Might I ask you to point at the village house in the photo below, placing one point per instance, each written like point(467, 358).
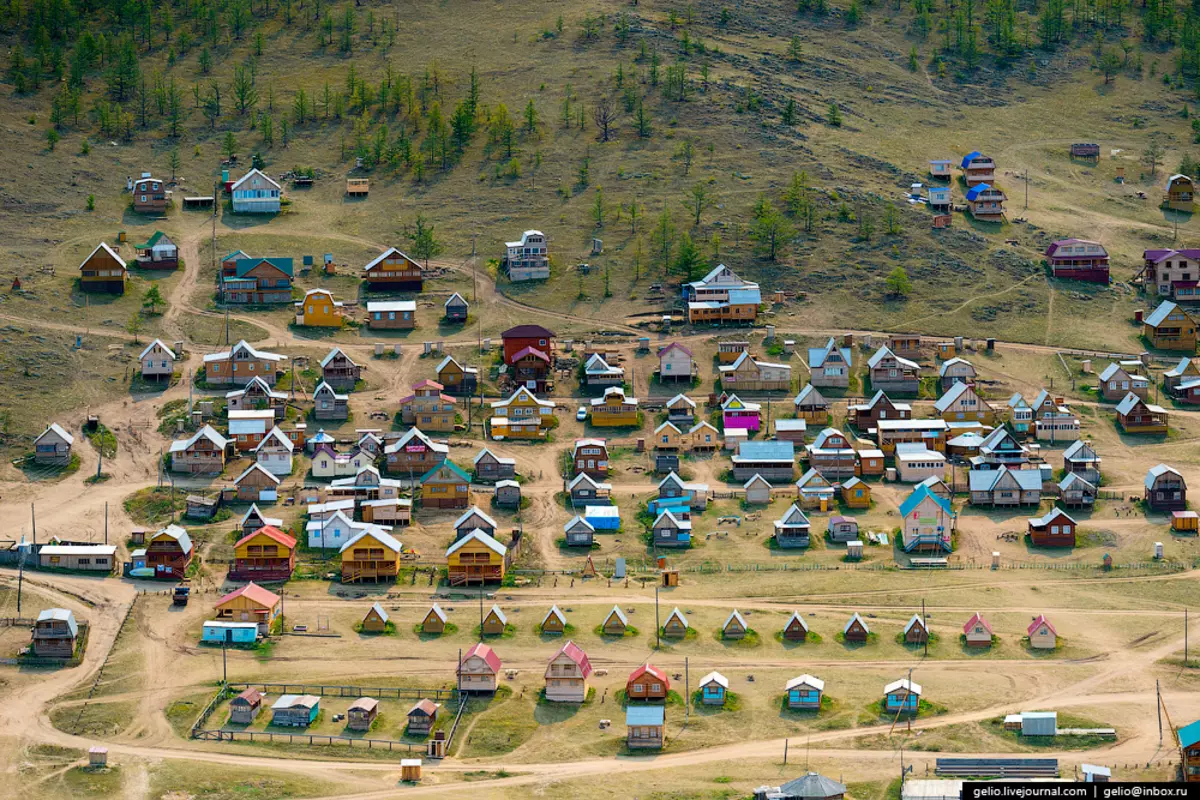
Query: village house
point(647, 682)
point(1170, 327)
point(671, 530)
point(455, 309)
point(598, 372)
point(939, 168)
point(456, 378)
point(1081, 459)
point(832, 455)
point(257, 281)
point(730, 350)
point(507, 494)
point(326, 463)
point(590, 456)
point(722, 296)
point(830, 366)
point(522, 337)
point(956, 370)
point(479, 669)
point(328, 404)
point(855, 629)
point(977, 632)
point(1135, 415)
point(1172, 274)
point(692, 495)
point(1005, 487)
point(392, 270)
point(202, 452)
point(103, 271)
point(1074, 491)
point(250, 603)
point(434, 621)
point(255, 193)
point(793, 528)
point(880, 406)
point(366, 484)
point(742, 414)
point(53, 446)
point(842, 529)
point(757, 490)
point(295, 710)
point(916, 463)
point(735, 626)
point(421, 717)
point(318, 309)
point(471, 520)
point(902, 696)
point(667, 437)
point(681, 411)
point(904, 344)
point(1115, 382)
point(644, 727)
point(929, 521)
point(494, 622)
point(815, 491)
point(810, 406)
point(774, 461)
point(1078, 260)
point(334, 529)
point(55, 632)
point(567, 675)
point(614, 409)
point(791, 430)
point(1000, 448)
point(930, 432)
point(892, 373)
point(266, 554)
point(429, 408)
point(962, 403)
point(915, 632)
point(675, 363)
point(392, 315)
point(274, 453)
point(986, 203)
point(445, 486)
point(169, 552)
point(257, 396)
point(248, 428)
point(751, 375)
point(1042, 635)
point(1180, 191)
point(676, 624)
point(616, 623)
point(713, 688)
point(414, 454)
point(245, 708)
point(1165, 489)
point(578, 532)
point(255, 484)
point(149, 195)
point(527, 259)
point(1020, 414)
point(978, 168)
point(394, 511)
point(490, 467)
point(339, 370)
point(78, 557)
point(476, 558)
point(871, 462)
point(370, 555)
point(796, 629)
point(1187, 392)
point(804, 692)
point(585, 490)
point(361, 714)
point(157, 361)
point(1055, 528)
point(521, 416)
point(701, 437)
point(239, 365)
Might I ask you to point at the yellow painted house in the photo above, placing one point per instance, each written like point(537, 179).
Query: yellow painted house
point(614, 409)
point(476, 558)
point(856, 494)
point(961, 403)
point(318, 309)
point(521, 416)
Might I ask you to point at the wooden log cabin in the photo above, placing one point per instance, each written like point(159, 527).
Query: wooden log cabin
point(1055, 528)
point(54, 634)
point(1170, 327)
point(476, 558)
point(445, 486)
point(250, 603)
point(149, 195)
point(339, 370)
point(53, 446)
point(456, 378)
point(103, 271)
point(1135, 415)
point(169, 552)
point(372, 555)
point(1165, 489)
point(267, 554)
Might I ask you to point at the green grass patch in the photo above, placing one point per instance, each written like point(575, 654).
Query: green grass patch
point(104, 440)
point(733, 702)
point(630, 632)
point(567, 631)
point(751, 639)
point(509, 632)
point(688, 635)
point(97, 720)
point(389, 629)
point(151, 506)
point(449, 630)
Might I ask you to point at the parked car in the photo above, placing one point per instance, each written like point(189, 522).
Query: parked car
point(581, 414)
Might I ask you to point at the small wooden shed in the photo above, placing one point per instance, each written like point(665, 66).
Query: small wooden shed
point(735, 626)
point(494, 622)
point(421, 717)
point(376, 620)
point(1185, 521)
point(362, 713)
point(616, 623)
point(244, 708)
point(856, 629)
point(915, 631)
point(358, 187)
point(977, 632)
point(410, 770)
point(647, 682)
point(676, 624)
point(796, 629)
point(435, 620)
point(554, 621)
point(713, 687)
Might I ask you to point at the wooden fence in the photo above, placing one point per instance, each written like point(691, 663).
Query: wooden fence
point(17, 622)
point(314, 739)
point(326, 690)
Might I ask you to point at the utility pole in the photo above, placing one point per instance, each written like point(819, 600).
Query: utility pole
point(687, 690)
point(106, 522)
point(481, 612)
point(1185, 637)
point(925, 625)
point(282, 623)
point(1158, 708)
point(785, 749)
point(100, 463)
point(458, 672)
point(33, 523)
point(1027, 187)
point(160, 467)
point(225, 659)
point(657, 629)
point(20, 578)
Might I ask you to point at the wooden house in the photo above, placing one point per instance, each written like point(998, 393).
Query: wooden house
point(531, 368)
point(256, 484)
point(434, 621)
point(555, 622)
point(804, 692)
point(257, 395)
point(590, 456)
point(250, 603)
point(528, 258)
point(930, 432)
point(1074, 491)
point(1179, 193)
point(473, 519)
point(892, 373)
point(1002, 448)
point(267, 554)
point(508, 494)
point(713, 687)
point(520, 416)
point(1187, 392)
point(103, 271)
point(255, 193)
point(392, 315)
point(479, 669)
point(676, 624)
point(955, 370)
point(1042, 635)
point(53, 446)
point(1187, 522)
point(721, 296)
point(986, 203)
point(961, 403)
point(1078, 260)
point(675, 363)
point(361, 714)
point(1081, 459)
point(842, 529)
point(370, 555)
point(830, 367)
point(758, 490)
point(522, 337)
point(647, 682)
point(375, 620)
point(245, 707)
point(702, 437)
point(773, 461)
point(567, 675)
point(1186, 371)
point(730, 350)
point(902, 696)
point(880, 406)
point(429, 407)
point(414, 454)
point(149, 195)
point(915, 632)
point(584, 490)
point(169, 552)
point(295, 710)
point(939, 168)
point(916, 463)
point(1170, 274)
point(673, 488)
point(1055, 528)
point(253, 520)
point(1189, 746)
point(614, 409)
point(644, 727)
point(735, 626)
point(681, 411)
point(274, 452)
point(318, 309)
point(239, 365)
point(815, 491)
point(393, 270)
point(740, 414)
point(494, 622)
point(1020, 415)
point(598, 372)
point(490, 467)
point(445, 486)
point(977, 632)
point(1135, 415)
point(578, 532)
point(358, 188)
point(832, 455)
point(748, 374)
point(157, 361)
point(78, 557)
point(793, 529)
point(1170, 327)
point(668, 437)
point(55, 633)
point(791, 430)
point(328, 464)
point(1165, 489)
point(1005, 487)
point(904, 344)
point(455, 309)
point(978, 168)
point(457, 379)
point(421, 717)
point(796, 629)
point(247, 429)
point(616, 623)
point(476, 558)
point(871, 462)
point(856, 493)
point(856, 630)
point(339, 370)
point(671, 530)
point(257, 281)
point(1115, 381)
point(328, 404)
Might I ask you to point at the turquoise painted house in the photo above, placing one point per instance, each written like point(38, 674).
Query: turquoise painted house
point(295, 710)
point(713, 687)
point(215, 632)
point(804, 692)
point(902, 695)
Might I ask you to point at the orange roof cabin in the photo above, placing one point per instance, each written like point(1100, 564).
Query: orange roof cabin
point(149, 195)
point(372, 555)
point(267, 554)
point(103, 271)
point(647, 682)
point(250, 603)
point(394, 270)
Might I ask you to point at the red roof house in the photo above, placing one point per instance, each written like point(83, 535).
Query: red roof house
point(1042, 635)
point(977, 631)
point(522, 336)
point(478, 669)
point(266, 554)
point(647, 682)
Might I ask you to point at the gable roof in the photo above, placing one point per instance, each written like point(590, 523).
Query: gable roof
point(681, 398)
point(178, 534)
point(243, 345)
point(715, 677)
point(1038, 622)
point(450, 465)
point(619, 614)
point(677, 614)
point(648, 669)
point(919, 495)
point(474, 511)
point(795, 617)
point(386, 254)
point(809, 396)
point(1157, 471)
point(377, 533)
point(61, 433)
point(1132, 401)
point(850, 622)
point(674, 346)
point(484, 652)
point(159, 343)
point(1189, 734)
point(60, 615)
point(946, 365)
point(818, 355)
point(576, 520)
point(1049, 517)
point(977, 619)
point(259, 468)
point(255, 512)
point(985, 480)
point(793, 516)
point(917, 621)
point(334, 353)
point(576, 654)
point(1073, 478)
point(756, 479)
point(259, 594)
point(554, 612)
point(1159, 315)
point(1080, 450)
point(278, 436)
point(495, 611)
point(243, 266)
point(903, 683)
point(477, 536)
point(415, 433)
point(436, 610)
point(254, 171)
point(952, 394)
point(883, 352)
point(104, 246)
point(736, 615)
point(451, 300)
point(805, 680)
point(670, 425)
point(271, 532)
